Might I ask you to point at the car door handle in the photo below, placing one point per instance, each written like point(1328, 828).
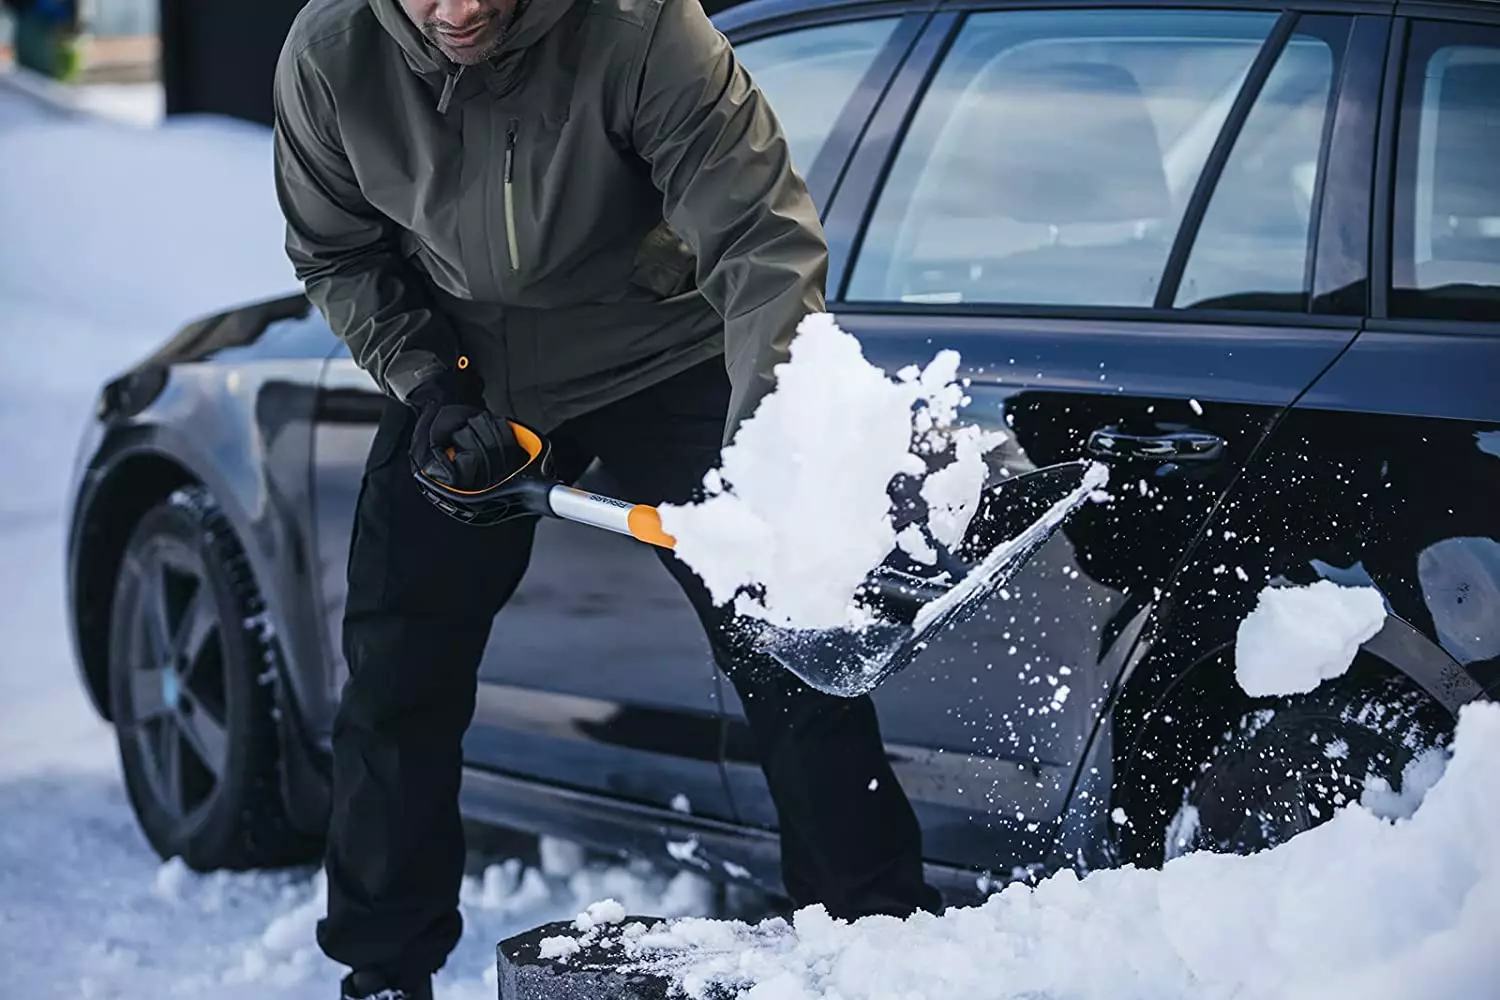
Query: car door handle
point(1172, 446)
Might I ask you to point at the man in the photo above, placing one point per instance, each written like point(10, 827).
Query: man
point(581, 215)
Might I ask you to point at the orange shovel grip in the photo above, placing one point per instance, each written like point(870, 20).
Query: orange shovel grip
point(645, 525)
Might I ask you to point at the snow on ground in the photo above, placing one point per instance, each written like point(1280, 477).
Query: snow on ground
point(1359, 908)
point(139, 227)
point(1298, 637)
point(114, 235)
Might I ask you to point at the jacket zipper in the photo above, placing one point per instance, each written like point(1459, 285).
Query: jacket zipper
point(510, 198)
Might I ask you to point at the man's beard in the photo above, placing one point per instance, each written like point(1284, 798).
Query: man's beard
point(473, 56)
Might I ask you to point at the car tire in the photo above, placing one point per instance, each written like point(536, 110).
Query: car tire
point(1288, 765)
point(192, 687)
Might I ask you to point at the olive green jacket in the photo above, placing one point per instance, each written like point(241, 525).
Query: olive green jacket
point(526, 212)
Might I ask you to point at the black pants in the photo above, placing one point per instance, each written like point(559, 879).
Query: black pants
point(423, 591)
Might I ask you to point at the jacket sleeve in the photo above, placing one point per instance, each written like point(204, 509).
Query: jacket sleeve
point(344, 251)
point(720, 158)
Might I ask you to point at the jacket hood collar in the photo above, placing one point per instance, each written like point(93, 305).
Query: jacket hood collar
point(535, 17)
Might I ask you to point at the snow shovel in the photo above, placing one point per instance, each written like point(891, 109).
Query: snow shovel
point(534, 491)
point(908, 602)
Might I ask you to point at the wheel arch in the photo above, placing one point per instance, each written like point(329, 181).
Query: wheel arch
point(1398, 648)
point(1179, 712)
point(135, 475)
point(130, 486)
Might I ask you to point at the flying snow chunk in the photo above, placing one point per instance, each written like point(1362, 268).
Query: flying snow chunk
point(952, 492)
point(1299, 637)
point(1417, 778)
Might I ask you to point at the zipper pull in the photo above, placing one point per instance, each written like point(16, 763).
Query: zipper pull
point(449, 84)
point(510, 151)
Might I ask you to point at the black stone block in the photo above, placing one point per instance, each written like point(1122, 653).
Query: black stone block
point(592, 973)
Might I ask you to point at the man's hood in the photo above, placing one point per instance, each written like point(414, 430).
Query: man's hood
point(533, 21)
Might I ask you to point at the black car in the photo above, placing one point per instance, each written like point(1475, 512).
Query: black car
point(1250, 257)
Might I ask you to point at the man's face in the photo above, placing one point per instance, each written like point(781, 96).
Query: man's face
point(467, 31)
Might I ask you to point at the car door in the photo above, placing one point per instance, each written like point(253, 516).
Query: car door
point(1434, 547)
point(597, 676)
point(1404, 429)
point(1385, 473)
point(1110, 214)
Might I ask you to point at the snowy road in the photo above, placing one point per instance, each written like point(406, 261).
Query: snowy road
point(17, 109)
point(105, 250)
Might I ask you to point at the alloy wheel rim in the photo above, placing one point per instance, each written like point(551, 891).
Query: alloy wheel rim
point(176, 710)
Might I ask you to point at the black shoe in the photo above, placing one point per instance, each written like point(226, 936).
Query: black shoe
point(375, 986)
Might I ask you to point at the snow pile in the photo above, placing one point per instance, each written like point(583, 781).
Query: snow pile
point(800, 509)
point(599, 914)
point(1358, 908)
point(1299, 637)
point(507, 898)
point(593, 922)
point(1417, 778)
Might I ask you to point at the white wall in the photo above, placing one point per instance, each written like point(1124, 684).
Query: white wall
point(121, 17)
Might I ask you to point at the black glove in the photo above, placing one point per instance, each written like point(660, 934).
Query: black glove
point(458, 442)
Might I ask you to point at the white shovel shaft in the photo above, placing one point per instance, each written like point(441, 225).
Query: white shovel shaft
point(639, 521)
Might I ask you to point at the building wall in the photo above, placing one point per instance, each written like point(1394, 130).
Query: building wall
point(114, 18)
point(105, 18)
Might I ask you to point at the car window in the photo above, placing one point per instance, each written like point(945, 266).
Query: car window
point(809, 74)
point(1253, 247)
point(1053, 155)
point(1445, 252)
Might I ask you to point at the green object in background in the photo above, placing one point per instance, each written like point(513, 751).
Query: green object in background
point(46, 47)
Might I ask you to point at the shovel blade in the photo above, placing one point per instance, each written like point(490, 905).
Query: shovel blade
point(841, 661)
point(1014, 520)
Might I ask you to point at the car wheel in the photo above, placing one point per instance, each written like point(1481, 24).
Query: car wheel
point(1286, 767)
point(191, 686)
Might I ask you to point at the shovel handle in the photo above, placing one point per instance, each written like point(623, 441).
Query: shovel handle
point(638, 520)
